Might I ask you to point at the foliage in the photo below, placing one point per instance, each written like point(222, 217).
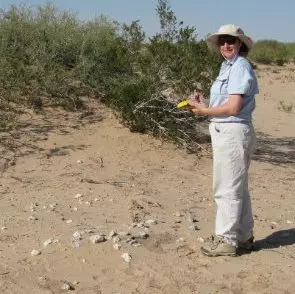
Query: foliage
point(269, 51)
point(290, 51)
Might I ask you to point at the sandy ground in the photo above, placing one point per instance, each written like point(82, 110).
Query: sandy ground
point(134, 185)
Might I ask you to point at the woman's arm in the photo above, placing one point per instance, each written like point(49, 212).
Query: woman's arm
point(231, 108)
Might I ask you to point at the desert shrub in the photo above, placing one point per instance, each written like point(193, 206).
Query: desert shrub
point(48, 57)
point(290, 51)
point(269, 51)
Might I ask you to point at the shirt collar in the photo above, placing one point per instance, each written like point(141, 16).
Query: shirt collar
point(231, 61)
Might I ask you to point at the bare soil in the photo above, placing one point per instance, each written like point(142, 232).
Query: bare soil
point(126, 178)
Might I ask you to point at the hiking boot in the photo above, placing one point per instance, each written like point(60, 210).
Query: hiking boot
point(248, 245)
point(217, 246)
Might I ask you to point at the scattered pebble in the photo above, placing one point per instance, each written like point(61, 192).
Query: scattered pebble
point(142, 235)
point(32, 217)
point(35, 252)
point(151, 222)
point(126, 256)
point(97, 239)
point(77, 235)
point(117, 246)
point(123, 234)
point(112, 234)
point(78, 196)
point(116, 239)
point(47, 242)
point(66, 286)
point(194, 228)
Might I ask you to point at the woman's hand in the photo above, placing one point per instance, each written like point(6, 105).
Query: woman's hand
point(199, 109)
point(196, 99)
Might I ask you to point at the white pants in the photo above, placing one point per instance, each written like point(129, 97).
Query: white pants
point(232, 144)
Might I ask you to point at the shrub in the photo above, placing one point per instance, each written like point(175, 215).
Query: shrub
point(269, 51)
point(48, 57)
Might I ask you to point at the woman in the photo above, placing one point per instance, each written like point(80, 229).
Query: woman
point(232, 101)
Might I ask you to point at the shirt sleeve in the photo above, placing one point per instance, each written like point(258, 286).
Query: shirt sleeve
point(240, 80)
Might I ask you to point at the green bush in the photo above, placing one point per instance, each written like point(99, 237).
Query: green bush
point(49, 57)
point(290, 51)
point(269, 51)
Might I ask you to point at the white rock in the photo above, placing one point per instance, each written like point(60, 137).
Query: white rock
point(66, 286)
point(193, 228)
point(78, 196)
point(53, 205)
point(97, 239)
point(117, 246)
point(116, 239)
point(42, 278)
point(47, 242)
point(76, 243)
point(79, 161)
point(178, 214)
point(3, 228)
point(96, 199)
point(142, 235)
point(77, 235)
point(112, 234)
point(200, 239)
point(137, 244)
point(35, 252)
point(123, 234)
point(151, 222)
point(69, 221)
point(126, 256)
point(180, 240)
point(32, 217)
point(75, 208)
point(289, 222)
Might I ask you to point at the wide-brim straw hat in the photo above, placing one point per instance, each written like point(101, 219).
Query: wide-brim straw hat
point(232, 30)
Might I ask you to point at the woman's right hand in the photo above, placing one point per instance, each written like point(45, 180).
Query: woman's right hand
point(197, 98)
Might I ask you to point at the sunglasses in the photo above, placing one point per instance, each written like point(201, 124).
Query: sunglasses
point(230, 40)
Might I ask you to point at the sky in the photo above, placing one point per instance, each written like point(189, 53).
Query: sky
point(260, 19)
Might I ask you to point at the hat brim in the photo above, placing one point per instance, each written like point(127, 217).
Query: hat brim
point(212, 41)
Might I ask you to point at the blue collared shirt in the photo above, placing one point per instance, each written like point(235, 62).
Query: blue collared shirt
point(236, 76)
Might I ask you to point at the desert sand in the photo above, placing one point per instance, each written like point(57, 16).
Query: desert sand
point(66, 177)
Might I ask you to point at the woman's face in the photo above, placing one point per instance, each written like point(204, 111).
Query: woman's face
point(229, 46)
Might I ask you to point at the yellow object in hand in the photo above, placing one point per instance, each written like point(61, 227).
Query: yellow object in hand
point(183, 104)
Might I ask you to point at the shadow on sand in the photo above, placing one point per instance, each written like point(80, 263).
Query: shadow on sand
point(274, 150)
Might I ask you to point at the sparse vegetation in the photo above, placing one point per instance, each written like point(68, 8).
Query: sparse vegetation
point(286, 107)
point(50, 58)
point(269, 52)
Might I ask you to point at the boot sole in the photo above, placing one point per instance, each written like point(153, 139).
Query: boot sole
point(211, 254)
